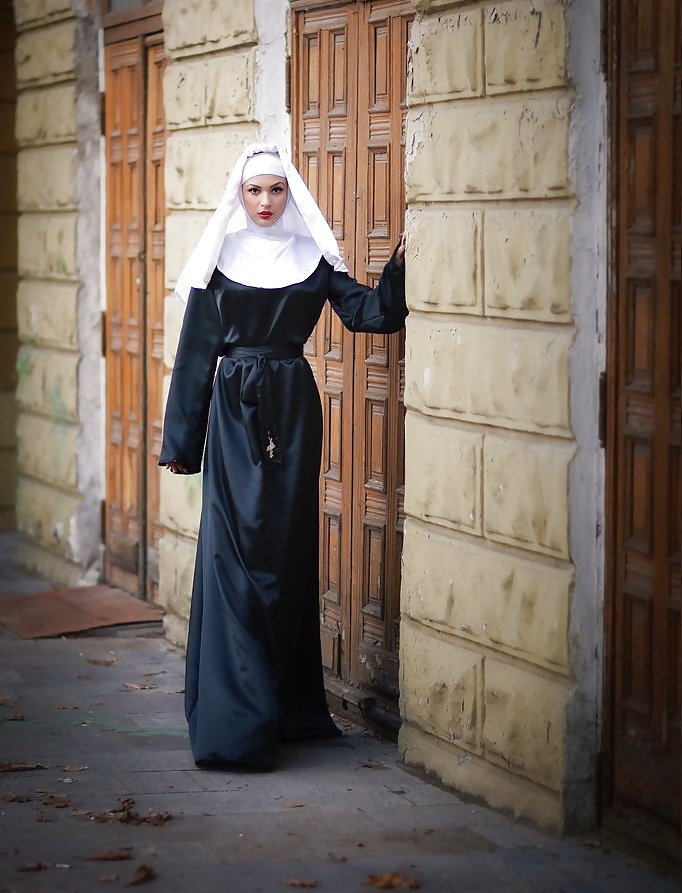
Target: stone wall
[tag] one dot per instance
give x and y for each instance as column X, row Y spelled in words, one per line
column 8, row 268
column 487, row 681
column 58, row 298
column 209, row 98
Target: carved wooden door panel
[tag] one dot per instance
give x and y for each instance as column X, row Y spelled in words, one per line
column 349, row 64
column 134, row 145
column 644, row 450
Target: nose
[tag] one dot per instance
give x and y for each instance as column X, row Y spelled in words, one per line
column 265, row 199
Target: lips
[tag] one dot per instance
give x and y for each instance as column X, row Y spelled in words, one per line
column 265, row 215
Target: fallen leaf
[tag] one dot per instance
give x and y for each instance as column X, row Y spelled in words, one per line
column 74, row 768
column 97, row 662
column 33, row 866
column 17, row 716
column 112, row 855
column 592, row 842
column 392, row 880
column 127, row 815
column 43, row 818
column 336, row 858
column 20, row 767
column 136, row 686
column 6, row 702
column 369, row 764
column 68, row 708
column 143, row 873
column 300, row 882
column 155, row 673
column 293, row 805
column 59, row 801
column 16, row 798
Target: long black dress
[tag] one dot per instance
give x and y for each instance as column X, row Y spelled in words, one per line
column 254, row 670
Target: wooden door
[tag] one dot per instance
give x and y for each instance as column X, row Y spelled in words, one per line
column 645, row 670
column 135, row 214
column 349, row 65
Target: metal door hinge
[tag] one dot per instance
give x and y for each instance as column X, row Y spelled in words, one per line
column 603, row 409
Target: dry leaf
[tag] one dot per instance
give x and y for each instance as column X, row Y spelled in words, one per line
column 143, row 873
column 155, row 673
column 300, row 882
column 368, row 764
column 16, row 798
column 293, row 805
column 33, row 866
column 43, row 818
column 592, row 842
column 391, row 881
column 59, row 801
column 74, row 768
column 97, row 662
column 121, row 855
column 17, row 716
column 20, row 767
column 136, row 686
column 336, row 858
column 129, row 816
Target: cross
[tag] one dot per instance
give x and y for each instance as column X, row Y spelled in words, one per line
column 270, row 448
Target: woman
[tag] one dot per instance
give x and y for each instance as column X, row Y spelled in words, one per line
column 255, row 286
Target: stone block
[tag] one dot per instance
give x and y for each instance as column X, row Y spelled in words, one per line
column 46, row 115
column 46, row 514
column 174, row 313
column 47, row 246
column 48, row 381
column 487, row 595
column 47, row 179
column 8, row 143
column 32, row 11
column 58, row 569
column 176, row 572
column 441, row 686
column 472, row 775
column 527, row 264
column 175, row 629
column 434, row 6
column 47, row 449
column 485, row 372
column 511, row 148
column 9, row 411
column 525, row 492
column 446, row 57
column 524, row 725
column 46, row 55
column 525, row 45
column 443, row 467
column 182, row 233
column 216, row 90
column 198, row 163
column 48, row 313
column 444, row 269
column 181, row 503
column 196, row 27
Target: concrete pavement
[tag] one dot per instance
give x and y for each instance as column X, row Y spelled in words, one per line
column 102, row 716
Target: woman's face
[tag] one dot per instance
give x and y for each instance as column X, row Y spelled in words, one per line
column 265, row 198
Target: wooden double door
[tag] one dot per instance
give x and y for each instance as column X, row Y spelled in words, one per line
column 644, row 459
column 135, row 136
column 348, row 86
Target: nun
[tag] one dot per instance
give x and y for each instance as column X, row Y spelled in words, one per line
column 255, row 286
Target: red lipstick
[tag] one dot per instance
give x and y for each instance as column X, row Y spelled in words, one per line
column 266, row 215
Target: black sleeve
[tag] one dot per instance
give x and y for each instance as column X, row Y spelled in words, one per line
column 189, row 397
column 364, row 309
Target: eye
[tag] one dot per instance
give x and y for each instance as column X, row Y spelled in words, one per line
column 278, row 189
column 253, row 190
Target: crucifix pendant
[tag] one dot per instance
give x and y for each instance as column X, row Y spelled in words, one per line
column 270, row 448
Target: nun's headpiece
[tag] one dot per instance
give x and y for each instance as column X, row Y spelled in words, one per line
column 269, row 257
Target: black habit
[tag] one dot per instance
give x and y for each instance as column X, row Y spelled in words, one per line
column 254, row 671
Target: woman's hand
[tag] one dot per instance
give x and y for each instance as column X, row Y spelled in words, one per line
column 399, row 256
column 176, row 468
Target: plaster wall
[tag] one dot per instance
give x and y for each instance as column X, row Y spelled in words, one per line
column 500, row 604
column 58, row 293
column 223, row 88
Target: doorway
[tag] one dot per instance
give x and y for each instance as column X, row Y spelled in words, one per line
column 135, row 137
column 349, row 69
column 643, row 699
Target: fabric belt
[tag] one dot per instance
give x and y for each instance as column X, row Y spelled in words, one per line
column 267, row 351
column 258, row 398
